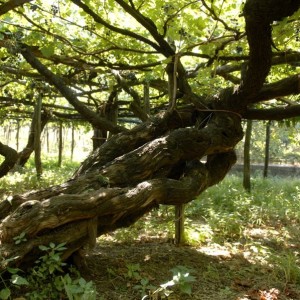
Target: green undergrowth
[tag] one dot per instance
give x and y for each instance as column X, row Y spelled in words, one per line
column 225, row 212
column 229, row 210
column 25, row 179
column 259, row 229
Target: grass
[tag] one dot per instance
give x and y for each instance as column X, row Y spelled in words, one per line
column 226, row 212
column 25, row 179
column 271, row 201
column 257, row 232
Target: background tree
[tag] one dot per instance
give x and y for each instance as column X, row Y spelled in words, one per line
column 206, row 64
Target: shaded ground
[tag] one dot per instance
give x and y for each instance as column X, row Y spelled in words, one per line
column 237, row 271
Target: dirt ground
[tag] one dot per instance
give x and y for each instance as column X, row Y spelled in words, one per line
column 221, row 272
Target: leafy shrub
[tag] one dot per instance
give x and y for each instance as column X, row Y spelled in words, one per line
column 47, row 279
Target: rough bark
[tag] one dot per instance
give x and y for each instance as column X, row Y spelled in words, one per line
column 10, row 5
column 11, row 156
column 120, row 191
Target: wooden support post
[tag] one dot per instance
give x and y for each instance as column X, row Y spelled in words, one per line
column 18, row 135
column 37, row 137
column 72, row 142
column 247, row 173
column 47, row 139
column 179, row 224
column 147, row 98
column 60, row 143
column 267, row 149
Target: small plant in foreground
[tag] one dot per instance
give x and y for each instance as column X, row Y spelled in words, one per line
column 56, row 286
column 182, row 280
column 133, row 271
column 144, row 286
column 78, row 289
column 20, row 238
column 14, row 281
column 286, row 266
column 46, row 280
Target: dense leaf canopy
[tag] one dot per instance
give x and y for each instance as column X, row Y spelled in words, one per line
column 103, row 51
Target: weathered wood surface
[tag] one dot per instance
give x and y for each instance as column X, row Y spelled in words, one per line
column 118, row 192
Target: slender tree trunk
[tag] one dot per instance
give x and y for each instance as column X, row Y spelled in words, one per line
column 24, row 155
column 146, row 98
column 47, row 140
column 267, row 149
column 72, row 141
column 247, row 171
column 60, row 144
column 113, row 113
column 100, row 136
column 8, row 133
column 37, row 137
column 18, row 135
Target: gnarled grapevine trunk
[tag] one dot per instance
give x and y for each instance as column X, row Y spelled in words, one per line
column 129, row 175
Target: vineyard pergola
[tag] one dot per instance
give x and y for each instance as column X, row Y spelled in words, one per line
column 189, row 72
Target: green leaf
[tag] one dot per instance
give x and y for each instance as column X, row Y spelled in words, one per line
column 19, row 280
column 43, row 248
column 51, row 269
column 13, row 270
column 82, row 281
column 144, row 281
column 61, row 246
column 186, row 289
column 55, row 257
column 48, row 50
column 5, row 293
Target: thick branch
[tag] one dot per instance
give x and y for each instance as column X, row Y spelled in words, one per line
column 277, row 113
column 10, row 5
column 277, row 59
column 285, row 87
column 11, row 156
column 258, row 30
column 258, row 15
column 125, row 142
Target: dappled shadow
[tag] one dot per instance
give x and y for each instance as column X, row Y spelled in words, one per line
column 219, row 273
